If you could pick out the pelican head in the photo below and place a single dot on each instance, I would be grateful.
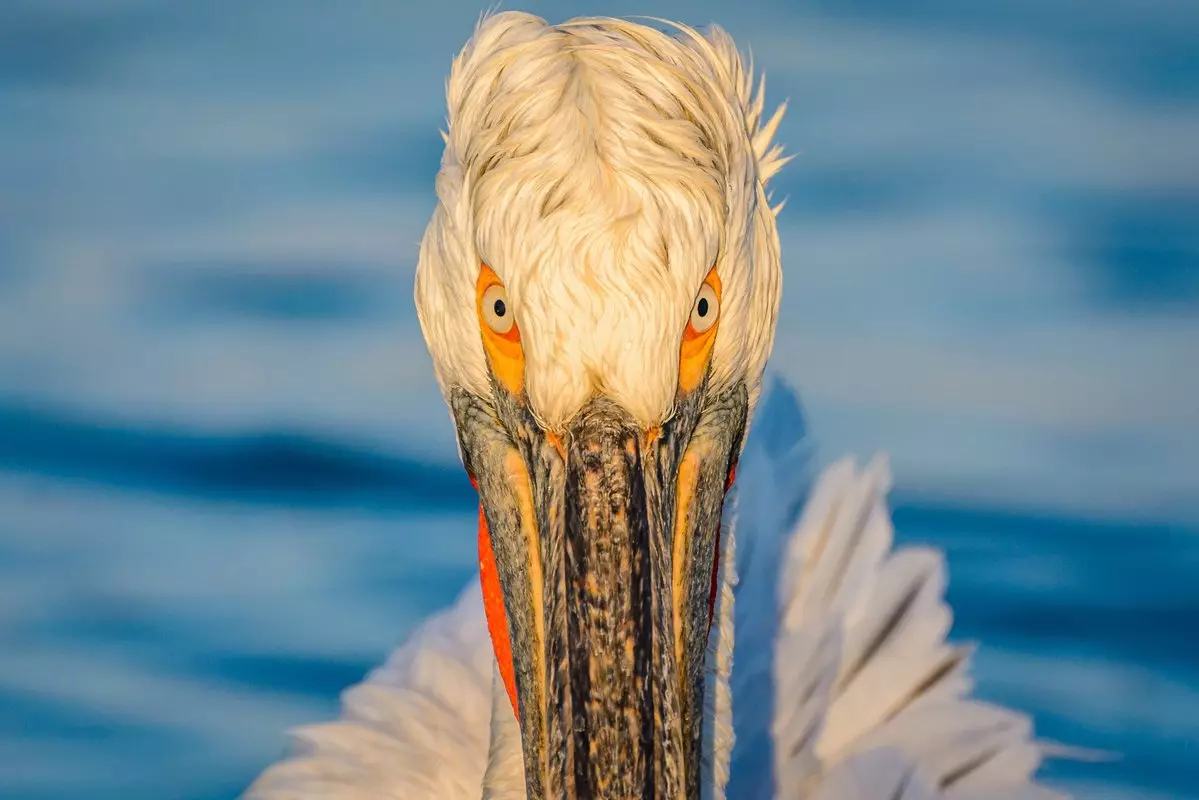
(598, 288)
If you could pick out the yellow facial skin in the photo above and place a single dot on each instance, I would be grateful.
(696, 347)
(501, 335)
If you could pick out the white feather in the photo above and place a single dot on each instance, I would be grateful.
(505, 776)
(843, 640)
(828, 671)
(602, 168)
(419, 726)
(840, 685)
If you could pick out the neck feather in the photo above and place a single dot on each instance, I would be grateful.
(505, 775)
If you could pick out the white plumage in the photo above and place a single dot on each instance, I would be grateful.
(842, 685)
(600, 179)
(602, 167)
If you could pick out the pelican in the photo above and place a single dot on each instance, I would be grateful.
(665, 606)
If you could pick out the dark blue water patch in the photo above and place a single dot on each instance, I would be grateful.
(1138, 251)
(290, 291)
(303, 676)
(107, 621)
(39, 48)
(430, 587)
(1144, 758)
(1125, 47)
(1147, 757)
(947, 519)
(1153, 636)
(1130, 564)
(31, 717)
(1164, 69)
(815, 191)
(1125, 590)
(225, 787)
(77, 46)
(271, 467)
(397, 159)
(1119, 592)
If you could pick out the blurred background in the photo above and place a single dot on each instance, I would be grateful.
(228, 484)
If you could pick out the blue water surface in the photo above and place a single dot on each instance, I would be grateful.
(228, 485)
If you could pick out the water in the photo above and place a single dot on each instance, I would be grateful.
(227, 481)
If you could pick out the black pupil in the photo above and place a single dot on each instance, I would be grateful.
(500, 308)
(702, 307)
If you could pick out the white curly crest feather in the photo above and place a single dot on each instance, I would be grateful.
(601, 168)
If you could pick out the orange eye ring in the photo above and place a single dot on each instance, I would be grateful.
(695, 351)
(500, 333)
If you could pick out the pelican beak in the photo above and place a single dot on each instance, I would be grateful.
(599, 544)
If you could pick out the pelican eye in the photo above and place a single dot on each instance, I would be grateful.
(501, 334)
(695, 351)
(705, 310)
(495, 310)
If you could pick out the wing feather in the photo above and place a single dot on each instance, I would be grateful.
(838, 684)
(419, 725)
(850, 687)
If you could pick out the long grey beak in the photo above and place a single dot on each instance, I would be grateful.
(624, 725)
(605, 541)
